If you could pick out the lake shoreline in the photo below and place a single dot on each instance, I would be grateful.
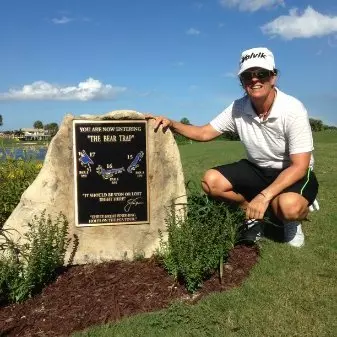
(21, 144)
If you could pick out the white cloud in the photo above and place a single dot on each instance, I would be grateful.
(251, 5)
(296, 25)
(66, 19)
(61, 21)
(90, 89)
(192, 31)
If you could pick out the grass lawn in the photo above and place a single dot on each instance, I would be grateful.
(290, 292)
(8, 143)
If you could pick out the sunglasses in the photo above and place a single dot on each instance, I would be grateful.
(261, 74)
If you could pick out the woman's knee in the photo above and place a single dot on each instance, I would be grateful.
(214, 182)
(292, 206)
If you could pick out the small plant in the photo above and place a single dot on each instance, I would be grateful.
(26, 269)
(138, 255)
(197, 244)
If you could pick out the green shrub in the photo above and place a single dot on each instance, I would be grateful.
(11, 270)
(26, 269)
(197, 244)
(15, 176)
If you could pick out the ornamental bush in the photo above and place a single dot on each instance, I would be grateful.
(198, 243)
(25, 269)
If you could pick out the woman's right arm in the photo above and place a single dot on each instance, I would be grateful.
(202, 133)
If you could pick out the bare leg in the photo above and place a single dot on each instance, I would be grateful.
(216, 185)
(290, 206)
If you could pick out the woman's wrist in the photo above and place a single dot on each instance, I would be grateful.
(266, 195)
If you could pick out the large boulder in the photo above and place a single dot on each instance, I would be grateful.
(53, 191)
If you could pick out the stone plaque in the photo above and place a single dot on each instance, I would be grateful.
(110, 172)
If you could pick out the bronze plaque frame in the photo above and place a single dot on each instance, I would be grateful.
(110, 172)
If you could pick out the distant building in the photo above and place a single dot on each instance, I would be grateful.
(4, 135)
(34, 134)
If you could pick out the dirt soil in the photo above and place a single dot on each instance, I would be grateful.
(88, 295)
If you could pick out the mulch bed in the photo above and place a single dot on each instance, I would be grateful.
(88, 295)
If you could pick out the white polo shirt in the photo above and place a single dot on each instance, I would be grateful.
(269, 143)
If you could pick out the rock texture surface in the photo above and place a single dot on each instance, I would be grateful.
(53, 191)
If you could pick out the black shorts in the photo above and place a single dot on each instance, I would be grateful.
(249, 180)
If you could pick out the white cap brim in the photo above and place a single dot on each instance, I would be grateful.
(254, 64)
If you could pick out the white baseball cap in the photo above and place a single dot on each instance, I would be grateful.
(257, 57)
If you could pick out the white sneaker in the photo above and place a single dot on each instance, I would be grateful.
(293, 234)
(314, 206)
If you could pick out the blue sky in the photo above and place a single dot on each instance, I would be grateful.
(177, 58)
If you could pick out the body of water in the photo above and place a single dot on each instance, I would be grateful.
(37, 153)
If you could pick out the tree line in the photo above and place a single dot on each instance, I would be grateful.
(315, 124)
(318, 125)
(52, 128)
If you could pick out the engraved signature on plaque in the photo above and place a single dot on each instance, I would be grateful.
(133, 202)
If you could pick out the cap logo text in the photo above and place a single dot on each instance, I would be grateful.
(253, 55)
